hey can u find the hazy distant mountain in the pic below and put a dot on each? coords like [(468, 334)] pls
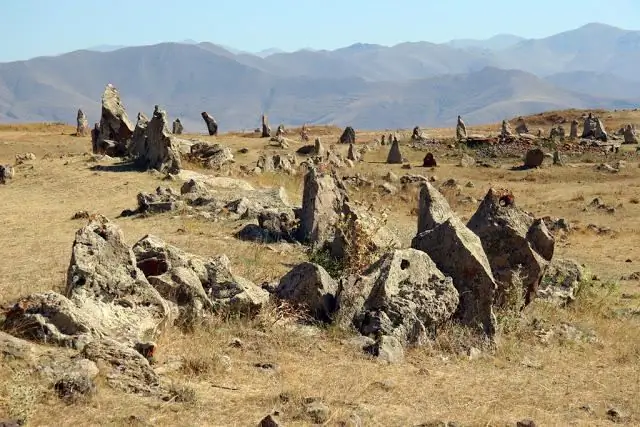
[(498, 42), (266, 52), (364, 85), (105, 48)]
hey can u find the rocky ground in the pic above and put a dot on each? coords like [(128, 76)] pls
[(247, 354)]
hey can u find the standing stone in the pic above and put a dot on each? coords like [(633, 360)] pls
[(506, 129), (461, 129), (266, 130), (429, 161), (163, 151), (139, 139), (95, 138), (322, 200), (348, 136), (353, 154), (304, 133), (512, 240), (589, 127), (390, 139), (630, 136), (458, 253), (280, 131), (417, 134), (382, 140), (114, 122), (318, 148), (573, 132), (177, 127), (601, 133), (395, 156), (212, 125), (82, 128)]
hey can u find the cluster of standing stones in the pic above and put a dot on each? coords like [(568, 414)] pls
[(120, 298)]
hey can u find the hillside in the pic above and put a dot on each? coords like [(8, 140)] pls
[(363, 85)]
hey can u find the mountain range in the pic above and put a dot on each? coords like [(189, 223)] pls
[(367, 86)]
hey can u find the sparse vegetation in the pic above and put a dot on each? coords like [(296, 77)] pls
[(547, 363)]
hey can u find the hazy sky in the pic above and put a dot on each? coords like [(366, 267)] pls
[(31, 28)]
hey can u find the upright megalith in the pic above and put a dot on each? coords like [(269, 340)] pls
[(521, 126), (573, 132), (177, 127), (266, 129), (139, 139), (394, 156), (461, 129), (163, 151), (348, 136), (514, 242), (212, 125), (594, 129), (458, 253), (322, 201), (82, 126), (115, 128)]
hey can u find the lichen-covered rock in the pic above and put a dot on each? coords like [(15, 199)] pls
[(212, 125), (114, 123), (512, 240), (534, 158), (7, 172), (104, 280), (403, 295), (162, 149), (461, 129), (394, 156), (310, 286), (322, 200), (561, 282), (82, 124)]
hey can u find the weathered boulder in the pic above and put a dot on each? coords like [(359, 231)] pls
[(126, 369), (534, 158), (461, 129), (458, 253), (82, 124), (403, 295), (429, 161), (433, 208), (466, 161), (561, 282), (573, 131), (114, 123), (52, 318), (95, 139), (177, 127), (7, 172), (162, 149), (594, 129), (174, 269), (630, 136), (310, 286), (212, 125), (162, 200), (319, 149), (348, 136), (211, 156), (322, 200), (277, 162), (386, 348), (104, 280), (394, 156), (512, 240)]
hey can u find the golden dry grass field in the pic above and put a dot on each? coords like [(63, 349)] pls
[(562, 382)]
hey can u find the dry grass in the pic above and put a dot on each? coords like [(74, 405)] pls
[(216, 381)]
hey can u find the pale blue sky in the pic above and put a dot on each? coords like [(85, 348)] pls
[(31, 28)]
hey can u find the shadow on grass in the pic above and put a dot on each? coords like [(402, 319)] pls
[(118, 167)]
